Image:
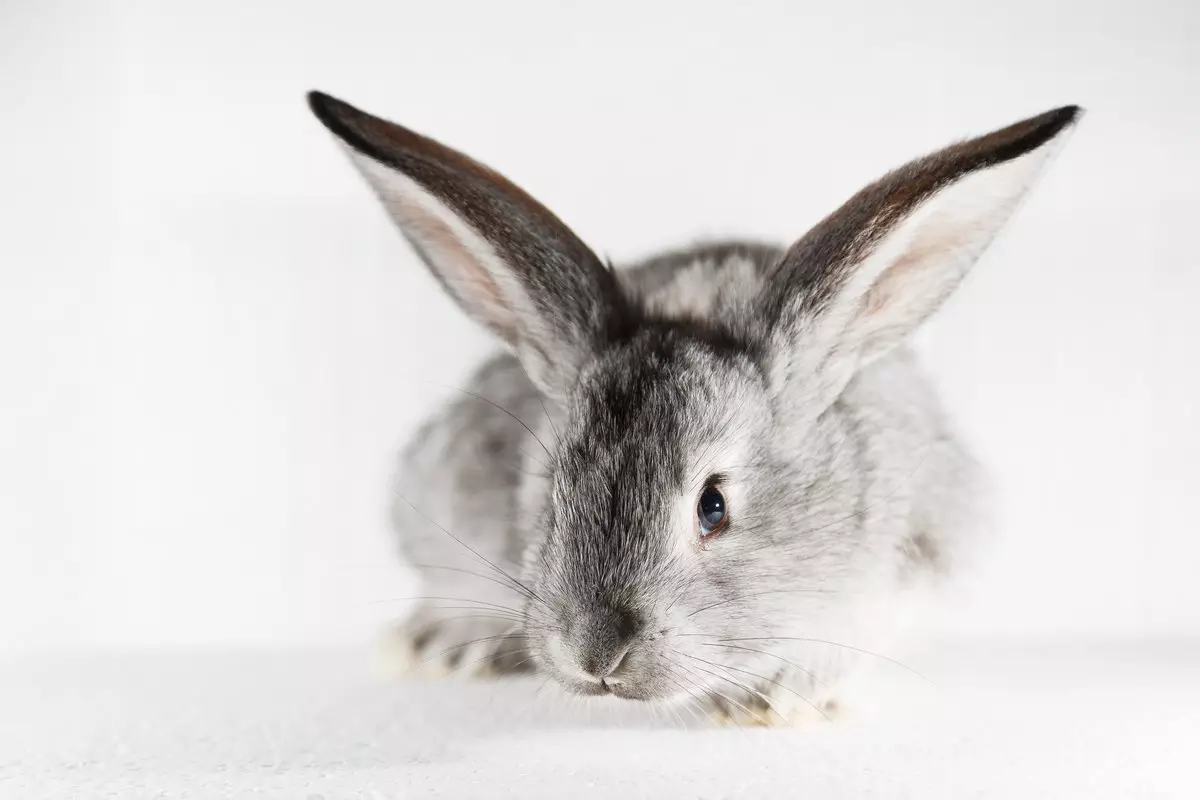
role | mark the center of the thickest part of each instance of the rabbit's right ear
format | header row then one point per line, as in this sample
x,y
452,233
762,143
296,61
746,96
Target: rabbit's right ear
x,y
509,262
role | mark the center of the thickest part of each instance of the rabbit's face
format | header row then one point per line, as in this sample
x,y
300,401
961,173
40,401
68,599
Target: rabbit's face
x,y
661,528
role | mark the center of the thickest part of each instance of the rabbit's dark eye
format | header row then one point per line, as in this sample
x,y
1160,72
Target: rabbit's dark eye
x,y
711,511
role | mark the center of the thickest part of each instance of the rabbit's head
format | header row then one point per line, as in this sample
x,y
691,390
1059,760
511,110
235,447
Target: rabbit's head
x,y
699,493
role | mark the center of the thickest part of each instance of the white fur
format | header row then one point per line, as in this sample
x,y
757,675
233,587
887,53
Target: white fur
x,y
903,278
923,259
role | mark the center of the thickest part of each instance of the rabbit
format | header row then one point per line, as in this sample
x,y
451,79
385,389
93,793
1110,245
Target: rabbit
x,y
713,478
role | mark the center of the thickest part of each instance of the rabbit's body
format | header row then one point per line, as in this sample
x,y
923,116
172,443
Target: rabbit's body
x,y
714,477
899,485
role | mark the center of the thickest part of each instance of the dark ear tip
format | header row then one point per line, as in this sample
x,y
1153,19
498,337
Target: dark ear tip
x,y
317,99
1054,122
1022,137
325,108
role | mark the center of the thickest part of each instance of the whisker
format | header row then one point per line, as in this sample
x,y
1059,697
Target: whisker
x,y
709,692
532,458
460,617
834,644
517,615
682,687
451,649
806,671
730,700
452,600
528,592
422,632
479,575
492,614
511,414
690,706
532,474
523,661
763,678
550,420
760,594
688,702
673,708
482,658
748,689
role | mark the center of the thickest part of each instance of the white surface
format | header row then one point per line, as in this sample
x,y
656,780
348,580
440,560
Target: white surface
x,y
1093,722
212,341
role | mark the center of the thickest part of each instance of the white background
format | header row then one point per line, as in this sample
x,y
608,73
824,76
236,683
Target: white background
x,y
212,342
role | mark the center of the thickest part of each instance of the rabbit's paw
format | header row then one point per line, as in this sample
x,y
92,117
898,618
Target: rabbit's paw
x,y
448,648
773,705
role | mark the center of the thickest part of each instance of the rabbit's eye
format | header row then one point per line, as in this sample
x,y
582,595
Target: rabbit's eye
x,y
711,511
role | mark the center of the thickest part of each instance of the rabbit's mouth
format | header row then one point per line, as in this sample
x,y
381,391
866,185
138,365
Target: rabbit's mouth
x,y
635,686
606,688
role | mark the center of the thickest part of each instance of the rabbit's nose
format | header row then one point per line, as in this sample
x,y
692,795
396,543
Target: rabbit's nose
x,y
599,643
600,664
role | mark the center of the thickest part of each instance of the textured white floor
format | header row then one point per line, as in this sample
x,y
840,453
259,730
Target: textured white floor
x,y
1113,721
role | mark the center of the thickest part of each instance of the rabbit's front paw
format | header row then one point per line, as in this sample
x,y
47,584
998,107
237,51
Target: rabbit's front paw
x,y
443,648
771,705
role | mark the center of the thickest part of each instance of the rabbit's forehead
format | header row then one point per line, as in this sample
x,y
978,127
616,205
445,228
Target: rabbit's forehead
x,y
644,421
662,400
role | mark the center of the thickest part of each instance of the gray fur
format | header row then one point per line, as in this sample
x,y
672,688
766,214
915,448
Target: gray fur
x,y
562,518
881,466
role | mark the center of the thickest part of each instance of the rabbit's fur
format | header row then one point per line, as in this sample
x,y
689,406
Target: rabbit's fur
x,y
552,504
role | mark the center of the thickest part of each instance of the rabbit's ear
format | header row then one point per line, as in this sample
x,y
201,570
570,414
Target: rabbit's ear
x,y
867,275
509,262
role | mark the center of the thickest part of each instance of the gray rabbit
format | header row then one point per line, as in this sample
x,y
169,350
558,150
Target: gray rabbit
x,y
716,477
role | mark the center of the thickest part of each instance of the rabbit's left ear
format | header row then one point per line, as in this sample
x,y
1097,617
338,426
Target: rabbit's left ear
x,y
507,260
861,280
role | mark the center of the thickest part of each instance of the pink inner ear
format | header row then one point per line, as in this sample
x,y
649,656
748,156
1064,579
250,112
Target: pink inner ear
x,y
917,275
457,267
